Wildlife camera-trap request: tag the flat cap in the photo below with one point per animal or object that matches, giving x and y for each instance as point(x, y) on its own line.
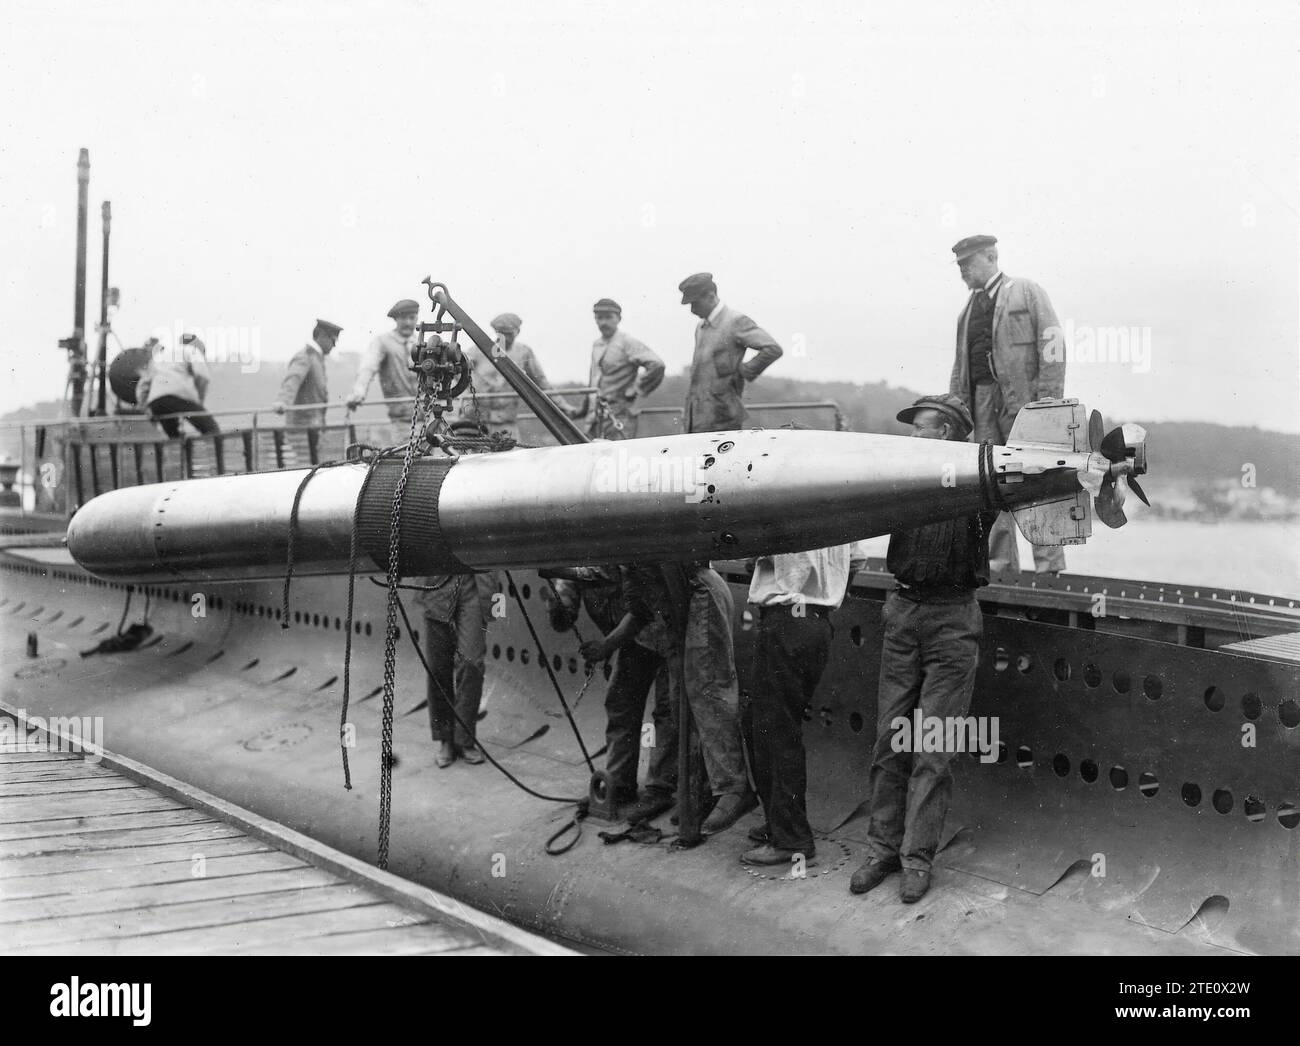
point(697, 286)
point(607, 305)
point(507, 323)
point(965, 248)
point(405, 305)
point(945, 403)
point(325, 325)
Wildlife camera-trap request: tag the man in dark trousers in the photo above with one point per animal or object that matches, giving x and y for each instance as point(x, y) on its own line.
point(932, 625)
point(794, 595)
point(457, 612)
point(640, 663)
point(1010, 351)
point(719, 369)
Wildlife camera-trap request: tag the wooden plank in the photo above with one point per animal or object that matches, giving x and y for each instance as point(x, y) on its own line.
point(37, 771)
point(10, 756)
point(63, 786)
point(194, 834)
point(159, 895)
point(126, 857)
point(196, 918)
point(224, 940)
point(390, 886)
point(425, 939)
point(154, 818)
point(378, 888)
point(89, 882)
point(31, 809)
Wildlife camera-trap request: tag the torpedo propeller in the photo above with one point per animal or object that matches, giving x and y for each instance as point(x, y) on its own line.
point(1126, 450)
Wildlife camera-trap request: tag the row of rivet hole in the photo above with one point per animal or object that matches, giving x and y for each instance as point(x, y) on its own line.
point(1222, 800)
point(1288, 711)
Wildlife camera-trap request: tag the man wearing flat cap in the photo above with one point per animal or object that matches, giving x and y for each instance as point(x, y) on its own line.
point(303, 392)
point(719, 370)
point(932, 626)
point(623, 372)
point(389, 357)
point(1009, 353)
point(500, 410)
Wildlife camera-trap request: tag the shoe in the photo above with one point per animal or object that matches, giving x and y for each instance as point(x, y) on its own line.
point(446, 754)
point(774, 855)
point(871, 874)
point(729, 810)
point(760, 834)
point(472, 756)
point(647, 808)
point(916, 884)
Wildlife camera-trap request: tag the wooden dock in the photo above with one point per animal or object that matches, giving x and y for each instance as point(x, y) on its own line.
point(103, 856)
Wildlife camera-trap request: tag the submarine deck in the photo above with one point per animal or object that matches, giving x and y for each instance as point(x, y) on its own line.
point(108, 857)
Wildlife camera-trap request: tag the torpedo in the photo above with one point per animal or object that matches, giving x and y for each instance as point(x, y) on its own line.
point(713, 495)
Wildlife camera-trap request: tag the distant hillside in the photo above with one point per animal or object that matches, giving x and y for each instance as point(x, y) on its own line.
point(1184, 454)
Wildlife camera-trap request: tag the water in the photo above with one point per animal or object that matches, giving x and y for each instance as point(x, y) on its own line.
point(1249, 556)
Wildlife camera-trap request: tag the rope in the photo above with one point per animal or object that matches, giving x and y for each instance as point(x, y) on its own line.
point(993, 499)
point(541, 650)
point(293, 542)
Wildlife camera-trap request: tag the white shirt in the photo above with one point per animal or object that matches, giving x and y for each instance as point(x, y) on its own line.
point(988, 287)
point(713, 316)
point(819, 577)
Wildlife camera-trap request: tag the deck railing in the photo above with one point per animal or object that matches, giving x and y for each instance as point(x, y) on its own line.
point(63, 463)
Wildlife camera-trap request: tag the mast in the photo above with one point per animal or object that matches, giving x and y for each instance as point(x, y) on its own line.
point(101, 361)
point(76, 345)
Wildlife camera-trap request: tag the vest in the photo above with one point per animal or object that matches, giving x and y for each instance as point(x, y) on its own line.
point(979, 338)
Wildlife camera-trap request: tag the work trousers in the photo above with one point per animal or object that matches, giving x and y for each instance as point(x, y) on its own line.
point(456, 618)
point(635, 671)
point(709, 674)
point(928, 662)
point(993, 422)
point(790, 654)
point(195, 414)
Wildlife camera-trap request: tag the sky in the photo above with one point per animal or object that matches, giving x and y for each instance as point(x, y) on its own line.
point(272, 163)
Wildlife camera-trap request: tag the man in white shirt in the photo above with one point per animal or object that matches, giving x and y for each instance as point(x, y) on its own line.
point(177, 384)
point(793, 595)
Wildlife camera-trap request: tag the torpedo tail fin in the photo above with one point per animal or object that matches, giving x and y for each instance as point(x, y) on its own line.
point(1062, 424)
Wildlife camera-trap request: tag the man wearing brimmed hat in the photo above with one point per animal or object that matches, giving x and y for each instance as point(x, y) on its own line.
point(932, 626)
point(719, 370)
point(1010, 351)
point(389, 356)
point(623, 371)
point(304, 391)
point(500, 409)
